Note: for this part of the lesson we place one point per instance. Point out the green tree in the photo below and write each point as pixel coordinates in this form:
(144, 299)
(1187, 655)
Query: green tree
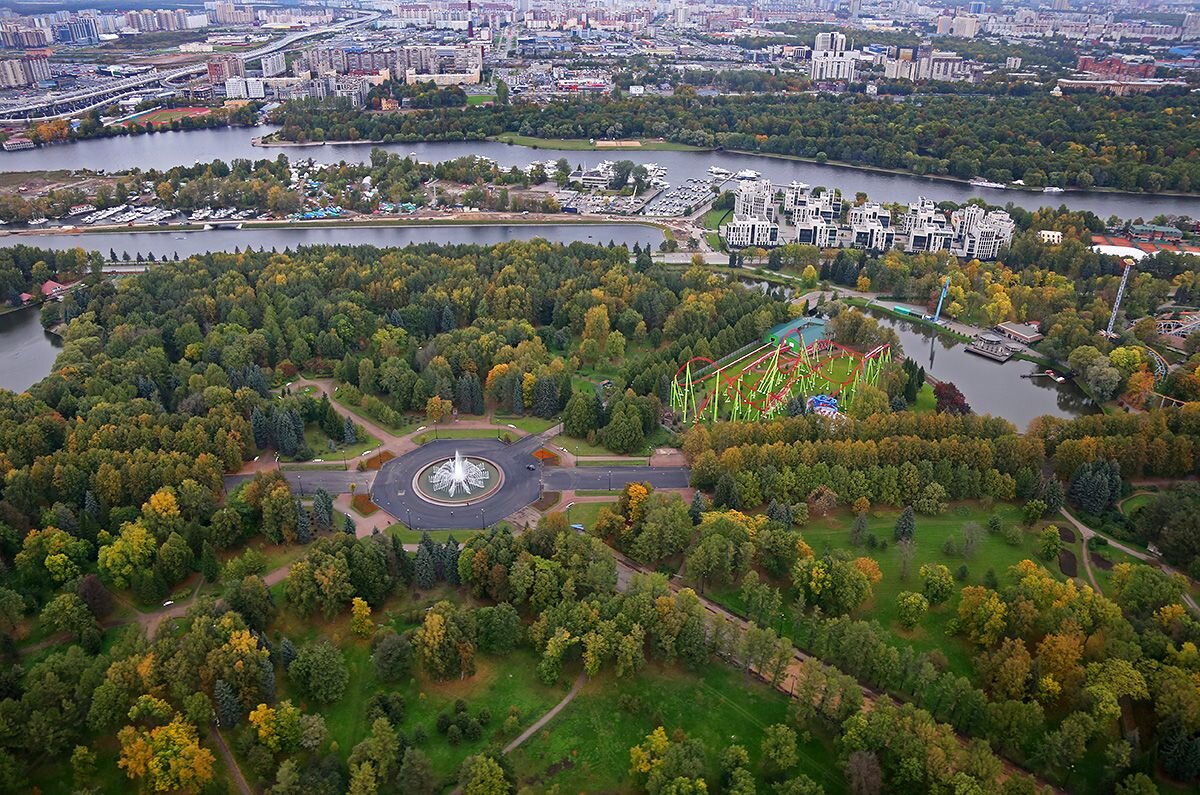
(911, 608)
(936, 583)
(906, 525)
(320, 671)
(1049, 543)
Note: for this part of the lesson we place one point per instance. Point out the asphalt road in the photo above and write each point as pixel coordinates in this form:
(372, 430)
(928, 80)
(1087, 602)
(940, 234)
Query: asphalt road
(308, 481)
(393, 489)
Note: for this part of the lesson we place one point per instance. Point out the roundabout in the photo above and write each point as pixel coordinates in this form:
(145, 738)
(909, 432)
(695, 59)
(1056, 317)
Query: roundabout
(458, 480)
(458, 483)
(405, 486)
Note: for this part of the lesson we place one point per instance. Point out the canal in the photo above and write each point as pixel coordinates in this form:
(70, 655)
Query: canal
(990, 387)
(172, 242)
(26, 351)
(167, 149)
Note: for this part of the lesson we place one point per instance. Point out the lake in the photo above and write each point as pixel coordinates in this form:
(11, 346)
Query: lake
(990, 387)
(26, 351)
(170, 242)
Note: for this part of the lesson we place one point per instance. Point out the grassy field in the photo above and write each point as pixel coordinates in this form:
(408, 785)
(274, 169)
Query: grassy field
(319, 443)
(1131, 504)
(586, 747)
(609, 462)
(480, 99)
(462, 433)
(583, 513)
(168, 115)
(580, 447)
(582, 145)
(833, 533)
(531, 425)
(713, 219)
(358, 412)
(407, 536)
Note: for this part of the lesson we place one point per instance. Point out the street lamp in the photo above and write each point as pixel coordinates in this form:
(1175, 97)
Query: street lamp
(408, 513)
(569, 504)
(482, 522)
(610, 480)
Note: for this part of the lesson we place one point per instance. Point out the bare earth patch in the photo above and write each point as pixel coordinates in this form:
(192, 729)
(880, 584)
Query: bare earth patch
(1067, 562)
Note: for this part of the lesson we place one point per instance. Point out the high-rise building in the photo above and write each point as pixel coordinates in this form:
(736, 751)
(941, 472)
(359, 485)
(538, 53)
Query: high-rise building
(223, 67)
(830, 41)
(1191, 27)
(274, 64)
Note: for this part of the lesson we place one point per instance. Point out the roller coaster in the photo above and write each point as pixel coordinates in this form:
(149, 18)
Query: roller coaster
(758, 384)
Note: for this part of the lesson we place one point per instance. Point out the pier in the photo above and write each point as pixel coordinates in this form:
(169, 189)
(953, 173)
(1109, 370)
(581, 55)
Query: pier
(992, 347)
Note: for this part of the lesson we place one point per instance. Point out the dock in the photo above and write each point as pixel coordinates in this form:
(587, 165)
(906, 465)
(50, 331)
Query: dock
(991, 347)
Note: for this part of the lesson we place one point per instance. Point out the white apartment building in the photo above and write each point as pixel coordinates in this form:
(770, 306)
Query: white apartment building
(753, 221)
(980, 234)
(813, 230)
(925, 228)
(871, 227)
(798, 197)
(755, 199)
(831, 60)
(245, 88)
(745, 232)
(274, 64)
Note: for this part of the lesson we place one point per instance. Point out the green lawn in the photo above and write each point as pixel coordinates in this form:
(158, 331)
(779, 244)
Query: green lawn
(480, 99)
(1136, 501)
(462, 433)
(586, 747)
(661, 437)
(583, 145)
(440, 536)
(531, 425)
(319, 443)
(583, 513)
(714, 218)
(609, 462)
(358, 412)
(1104, 576)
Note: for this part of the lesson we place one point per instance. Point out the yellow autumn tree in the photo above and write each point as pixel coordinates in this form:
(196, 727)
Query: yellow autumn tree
(360, 618)
(166, 758)
(161, 513)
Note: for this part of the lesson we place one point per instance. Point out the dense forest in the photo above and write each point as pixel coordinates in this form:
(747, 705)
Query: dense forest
(1145, 143)
(321, 660)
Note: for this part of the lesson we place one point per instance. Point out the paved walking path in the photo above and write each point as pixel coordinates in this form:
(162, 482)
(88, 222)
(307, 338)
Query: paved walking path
(231, 764)
(549, 716)
(1146, 557)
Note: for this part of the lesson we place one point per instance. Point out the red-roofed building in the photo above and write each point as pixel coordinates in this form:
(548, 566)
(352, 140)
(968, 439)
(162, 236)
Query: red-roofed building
(26, 298)
(51, 288)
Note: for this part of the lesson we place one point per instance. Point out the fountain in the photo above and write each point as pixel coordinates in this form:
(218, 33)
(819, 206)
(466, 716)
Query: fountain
(459, 475)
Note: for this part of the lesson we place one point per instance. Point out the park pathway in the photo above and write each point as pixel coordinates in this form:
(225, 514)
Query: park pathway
(1146, 557)
(231, 764)
(542, 721)
(549, 716)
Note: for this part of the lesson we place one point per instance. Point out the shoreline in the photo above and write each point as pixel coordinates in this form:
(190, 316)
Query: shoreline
(373, 223)
(836, 164)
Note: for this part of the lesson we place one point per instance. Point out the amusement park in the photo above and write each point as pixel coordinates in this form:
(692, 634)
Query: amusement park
(794, 359)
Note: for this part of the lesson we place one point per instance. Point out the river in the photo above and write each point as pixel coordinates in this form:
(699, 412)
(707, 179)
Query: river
(167, 149)
(990, 387)
(169, 243)
(27, 352)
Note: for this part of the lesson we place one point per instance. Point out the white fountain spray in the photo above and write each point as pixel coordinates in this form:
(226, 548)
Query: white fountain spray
(458, 474)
